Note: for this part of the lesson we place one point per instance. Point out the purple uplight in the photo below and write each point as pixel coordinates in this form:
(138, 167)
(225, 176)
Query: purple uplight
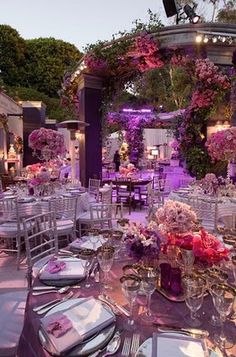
(130, 110)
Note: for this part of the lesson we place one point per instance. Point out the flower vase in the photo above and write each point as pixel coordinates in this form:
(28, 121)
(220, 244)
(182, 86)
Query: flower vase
(188, 259)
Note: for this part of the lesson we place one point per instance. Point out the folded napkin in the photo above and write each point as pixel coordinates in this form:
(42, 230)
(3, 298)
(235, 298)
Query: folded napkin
(93, 242)
(177, 346)
(87, 316)
(67, 268)
(58, 325)
(54, 266)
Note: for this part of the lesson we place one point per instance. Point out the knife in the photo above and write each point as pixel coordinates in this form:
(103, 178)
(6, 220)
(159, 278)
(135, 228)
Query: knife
(122, 309)
(175, 329)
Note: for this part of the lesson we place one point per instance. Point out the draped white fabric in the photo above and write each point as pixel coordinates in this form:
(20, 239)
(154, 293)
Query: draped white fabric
(153, 137)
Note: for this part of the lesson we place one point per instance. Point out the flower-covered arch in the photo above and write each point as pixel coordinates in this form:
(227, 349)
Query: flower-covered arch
(126, 60)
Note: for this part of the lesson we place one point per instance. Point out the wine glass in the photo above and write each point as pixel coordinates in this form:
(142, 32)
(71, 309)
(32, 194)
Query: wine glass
(87, 257)
(130, 285)
(105, 258)
(149, 283)
(233, 259)
(223, 299)
(194, 287)
(187, 258)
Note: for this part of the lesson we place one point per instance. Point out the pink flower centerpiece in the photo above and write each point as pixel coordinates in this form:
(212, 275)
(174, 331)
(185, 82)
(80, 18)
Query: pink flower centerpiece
(128, 171)
(222, 145)
(176, 217)
(47, 144)
(206, 247)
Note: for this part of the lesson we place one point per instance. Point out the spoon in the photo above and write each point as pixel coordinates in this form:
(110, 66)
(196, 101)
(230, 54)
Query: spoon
(111, 348)
(60, 291)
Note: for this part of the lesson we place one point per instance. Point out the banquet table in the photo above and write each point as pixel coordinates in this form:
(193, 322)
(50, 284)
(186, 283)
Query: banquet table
(40, 205)
(167, 312)
(225, 208)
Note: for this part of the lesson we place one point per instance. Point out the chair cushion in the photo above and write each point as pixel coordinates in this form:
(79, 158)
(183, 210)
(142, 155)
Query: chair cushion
(12, 310)
(64, 226)
(10, 229)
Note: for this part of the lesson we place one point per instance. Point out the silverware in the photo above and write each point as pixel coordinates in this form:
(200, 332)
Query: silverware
(45, 288)
(126, 347)
(122, 309)
(135, 343)
(60, 291)
(46, 309)
(37, 308)
(111, 348)
(187, 331)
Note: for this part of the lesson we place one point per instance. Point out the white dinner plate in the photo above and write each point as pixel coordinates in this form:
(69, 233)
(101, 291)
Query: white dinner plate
(145, 350)
(89, 346)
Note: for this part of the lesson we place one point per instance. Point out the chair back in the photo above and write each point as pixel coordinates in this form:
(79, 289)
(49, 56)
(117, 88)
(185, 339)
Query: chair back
(106, 196)
(40, 233)
(207, 212)
(64, 208)
(106, 212)
(123, 185)
(94, 185)
(9, 209)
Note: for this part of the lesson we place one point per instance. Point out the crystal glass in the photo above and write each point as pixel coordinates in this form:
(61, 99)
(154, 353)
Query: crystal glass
(172, 252)
(223, 299)
(149, 277)
(194, 288)
(187, 259)
(130, 285)
(233, 259)
(116, 242)
(105, 258)
(87, 257)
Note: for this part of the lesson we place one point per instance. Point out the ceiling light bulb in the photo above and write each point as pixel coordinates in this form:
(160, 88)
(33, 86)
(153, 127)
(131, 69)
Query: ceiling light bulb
(214, 39)
(223, 38)
(198, 38)
(206, 39)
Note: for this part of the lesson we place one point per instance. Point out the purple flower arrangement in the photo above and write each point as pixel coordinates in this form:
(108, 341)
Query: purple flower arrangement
(142, 242)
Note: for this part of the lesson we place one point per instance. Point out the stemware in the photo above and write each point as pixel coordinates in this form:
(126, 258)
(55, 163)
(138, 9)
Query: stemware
(223, 299)
(105, 258)
(194, 287)
(87, 257)
(149, 277)
(130, 285)
(187, 258)
(233, 259)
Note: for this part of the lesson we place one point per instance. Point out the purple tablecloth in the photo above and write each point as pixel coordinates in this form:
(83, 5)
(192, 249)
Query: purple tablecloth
(167, 313)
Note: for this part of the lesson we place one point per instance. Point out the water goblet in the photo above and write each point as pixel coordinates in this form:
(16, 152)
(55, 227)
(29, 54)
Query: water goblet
(194, 287)
(187, 258)
(87, 257)
(149, 277)
(223, 299)
(130, 285)
(105, 258)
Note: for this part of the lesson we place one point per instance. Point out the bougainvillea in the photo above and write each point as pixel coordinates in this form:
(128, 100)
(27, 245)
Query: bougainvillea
(125, 60)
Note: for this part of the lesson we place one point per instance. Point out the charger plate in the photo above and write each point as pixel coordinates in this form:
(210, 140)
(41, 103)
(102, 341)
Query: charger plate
(145, 350)
(89, 346)
(59, 282)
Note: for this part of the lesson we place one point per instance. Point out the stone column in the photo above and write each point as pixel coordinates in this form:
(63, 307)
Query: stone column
(90, 148)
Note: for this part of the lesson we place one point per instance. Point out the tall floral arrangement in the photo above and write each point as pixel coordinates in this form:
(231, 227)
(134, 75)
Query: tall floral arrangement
(176, 217)
(47, 144)
(222, 145)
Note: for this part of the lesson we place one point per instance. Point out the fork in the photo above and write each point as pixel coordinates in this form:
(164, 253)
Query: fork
(135, 343)
(126, 347)
(46, 309)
